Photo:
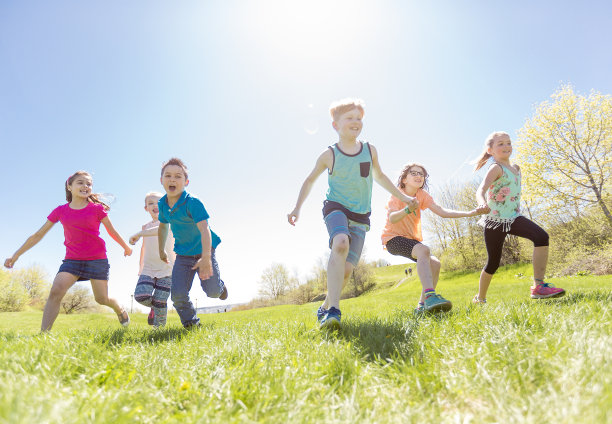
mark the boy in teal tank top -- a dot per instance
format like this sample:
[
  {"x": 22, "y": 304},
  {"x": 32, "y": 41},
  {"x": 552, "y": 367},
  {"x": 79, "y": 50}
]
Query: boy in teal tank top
[{"x": 351, "y": 167}]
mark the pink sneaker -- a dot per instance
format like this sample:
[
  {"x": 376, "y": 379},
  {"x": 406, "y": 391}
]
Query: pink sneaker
[{"x": 546, "y": 290}]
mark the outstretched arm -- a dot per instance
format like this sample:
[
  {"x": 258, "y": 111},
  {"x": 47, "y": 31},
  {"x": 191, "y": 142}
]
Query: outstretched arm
[
  {"x": 29, "y": 243},
  {"x": 449, "y": 213},
  {"x": 385, "y": 182},
  {"x": 325, "y": 161},
  {"x": 127, "y": 250},
  {"x": 150, "y": 232}
]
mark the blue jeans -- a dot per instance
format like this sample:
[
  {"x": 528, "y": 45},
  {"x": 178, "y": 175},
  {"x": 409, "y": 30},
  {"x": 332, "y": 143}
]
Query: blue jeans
[{"x": 182, "y": 279}]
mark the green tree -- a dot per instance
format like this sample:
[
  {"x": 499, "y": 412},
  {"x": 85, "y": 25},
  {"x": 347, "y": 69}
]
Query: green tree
[
  {"x": 13, "y": 296},
  {"x": 34, "y": 280},
  {"x": 565, "y": 152},
  {"x": 78, "y": 298}
]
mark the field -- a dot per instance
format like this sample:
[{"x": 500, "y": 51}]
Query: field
[{"x": 513, "y": 360}]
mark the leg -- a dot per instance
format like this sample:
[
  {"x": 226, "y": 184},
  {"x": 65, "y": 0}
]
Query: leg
[
  {"x": 143, "y": 293},
  {"x": 494, "y": 242},
  {"x": 523, "y": 227},
  {"x": 62, "y": 282},
  {"x": 423, "y": 257},
  {"x": 160, "y": 300},
  {"x": 336, "y": 269},
  {"x": 540, "y": 260},
  {"x": 100, "y": 291},
  {"x": 348, "y": 270},
  {"x": 213, "y": 286},
  {"x": 182, "y": 279}
]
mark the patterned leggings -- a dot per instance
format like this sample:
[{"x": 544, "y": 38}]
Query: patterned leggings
[{"x": 153, "y": 292}]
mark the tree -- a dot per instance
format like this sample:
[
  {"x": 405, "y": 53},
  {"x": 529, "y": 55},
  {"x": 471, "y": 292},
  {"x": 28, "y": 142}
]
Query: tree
[
  {"x": 565, "y": 152},
  {"x": 274, "y": 281},
  {"x": 78, "y": 298},
  {"x": 34, "y": 280},
  {"x": 13, "y": 296},
  {"x": 362, "y": 279}
]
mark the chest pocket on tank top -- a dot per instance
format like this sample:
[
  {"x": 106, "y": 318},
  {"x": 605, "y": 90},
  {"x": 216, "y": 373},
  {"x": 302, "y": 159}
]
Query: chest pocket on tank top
[{"x": 364, "y": 169}]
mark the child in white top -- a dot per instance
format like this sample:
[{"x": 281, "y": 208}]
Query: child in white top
[{"x": 155, "y": 275}]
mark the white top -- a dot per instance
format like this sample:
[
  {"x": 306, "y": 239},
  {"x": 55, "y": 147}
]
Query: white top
[{"x": 150, "y": 263}]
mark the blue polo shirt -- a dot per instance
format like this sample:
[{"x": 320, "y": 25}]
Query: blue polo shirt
[{"x": 183, "y": 217}]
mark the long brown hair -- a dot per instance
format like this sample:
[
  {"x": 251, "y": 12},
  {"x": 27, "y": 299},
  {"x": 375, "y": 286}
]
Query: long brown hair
[
  {"x": 481, "y": 160},
  {"x": 93, "y": 197},
  {"x": 400, "y": 180}
]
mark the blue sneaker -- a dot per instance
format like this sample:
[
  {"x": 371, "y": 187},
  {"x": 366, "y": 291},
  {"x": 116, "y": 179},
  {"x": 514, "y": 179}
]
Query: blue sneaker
[
  {"x": 436, "y": 303},
  {"x": 321, "y": 312},
  {"x": 420, "y": 309},
  {"x": 331, "y": 320}
]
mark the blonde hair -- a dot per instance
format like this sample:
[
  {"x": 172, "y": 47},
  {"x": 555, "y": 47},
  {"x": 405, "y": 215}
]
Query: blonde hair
[
  {"x": 153, "y": 194},
  {"x": 481, "y": 160},
  {"x": 337, "y": 108}
]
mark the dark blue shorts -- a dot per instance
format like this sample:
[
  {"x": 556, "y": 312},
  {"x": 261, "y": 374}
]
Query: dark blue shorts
[{"x": 97, "y": 269}]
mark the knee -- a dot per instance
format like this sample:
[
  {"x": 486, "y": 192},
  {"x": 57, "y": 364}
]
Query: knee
[
  {"x": 57, "y": 293},
  {"x": 435, "y": 262},
  {"x": 542, "y": 240},
  {"x": 420, "y": 251},
  {"x": 340, "y": 244},
  {"x": 101, "y": 299}
]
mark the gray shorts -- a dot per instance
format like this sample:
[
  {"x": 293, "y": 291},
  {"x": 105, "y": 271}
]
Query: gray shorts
[{"x": 337, "y": 223}]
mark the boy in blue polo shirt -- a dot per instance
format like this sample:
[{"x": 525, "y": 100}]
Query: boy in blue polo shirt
[{"x": 194, "y": 244}]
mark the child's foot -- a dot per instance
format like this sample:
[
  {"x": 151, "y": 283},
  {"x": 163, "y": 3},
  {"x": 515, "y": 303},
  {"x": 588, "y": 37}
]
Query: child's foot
[
  {"x": 436, "y": 303},
  {"x": 223, "y": 293},
  {"x": 476, "y": 299},
  {"x": 321, "y": 312},
  {"x": 331, "y": 320},
  {"x": 151, "y": 317},
  {"x": 545, "y": 290},
  {"x": 124, "y": 318},
  {"x": 419, "y": 309}
]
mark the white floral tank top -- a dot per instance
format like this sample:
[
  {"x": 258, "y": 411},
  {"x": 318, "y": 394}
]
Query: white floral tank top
[{"x": 504, "y": 198}]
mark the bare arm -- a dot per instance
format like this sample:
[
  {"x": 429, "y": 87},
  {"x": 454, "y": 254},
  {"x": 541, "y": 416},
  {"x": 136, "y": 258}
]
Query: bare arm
[
  {"x": 325, "y": 161},
  {"x": 493, "y": 174},
  {"x": 449, "y": 213},
  {"x": 150, "y": 232},
  {"x": 397, "y": 216},
  {"x": 127, "y": 250},
  {"x": 29, "y": 243},
  {"x": 162, "y": 236},
  {"x": 204, "y": 264},
  {"x": 385, "y": 182}
]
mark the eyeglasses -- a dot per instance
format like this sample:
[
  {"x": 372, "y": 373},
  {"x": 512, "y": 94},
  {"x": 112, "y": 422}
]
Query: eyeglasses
[{"x": 417, "y": 173}]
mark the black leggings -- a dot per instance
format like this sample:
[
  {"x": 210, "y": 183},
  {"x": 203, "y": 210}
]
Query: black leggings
[
  {"x": 402, "y": 246},
  {"x": 521, "y": 227}
]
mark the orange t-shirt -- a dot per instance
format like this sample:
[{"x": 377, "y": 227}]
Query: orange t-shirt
[{"x": 410, "y": 225}]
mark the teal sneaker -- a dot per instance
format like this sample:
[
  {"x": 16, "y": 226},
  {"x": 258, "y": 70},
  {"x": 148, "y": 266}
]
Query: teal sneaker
[
  {"x": 436, "y": 303},
  {"x": 331, "y": 320},
  {"x": 420, "y": 309},
  {"x": 321, "y": 312}
]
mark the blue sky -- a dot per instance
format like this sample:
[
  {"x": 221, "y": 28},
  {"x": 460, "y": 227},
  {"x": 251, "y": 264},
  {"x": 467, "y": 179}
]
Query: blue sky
[{"x": 240, "y": 90}]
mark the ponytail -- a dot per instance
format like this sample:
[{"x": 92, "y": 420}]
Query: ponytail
[{"x": 481, "y": 160}]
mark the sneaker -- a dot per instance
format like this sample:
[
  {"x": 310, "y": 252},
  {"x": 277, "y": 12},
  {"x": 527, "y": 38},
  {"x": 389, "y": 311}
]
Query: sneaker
[
  {"x": 151, "y": 317},
  {"x": 321, "y": 312},
  {"x": 436, "y": 303},
  {"x": 546, "y": 290},
  {"x": 193, "y": 326},
  {"x": 476, "y": 299},
  {"x": 419, "y": 309},
  {"x": 124, "y": 318},
  {"x": 224, "y": 293},
  {"x": 331, "y": 320}
]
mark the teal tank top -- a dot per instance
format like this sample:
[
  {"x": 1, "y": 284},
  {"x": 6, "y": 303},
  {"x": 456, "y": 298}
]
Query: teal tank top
[
  {"x": 504, "y": 199},
  {"x": 350, "y": 179}
]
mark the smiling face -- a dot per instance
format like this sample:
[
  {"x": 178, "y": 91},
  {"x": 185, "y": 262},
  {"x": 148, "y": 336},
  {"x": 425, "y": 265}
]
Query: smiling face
[
  {"x": 501, "y": 147},
  {"x": 349, "y": 124},
  {"x": 415, "y": 178},
  {"x": 174, "y": 181},
  {"x": 151, "y": 206},
  {"x": 80, "y": 187}
]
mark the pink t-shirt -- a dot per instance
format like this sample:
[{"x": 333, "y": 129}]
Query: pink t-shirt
[
  {"x": 410, "y": 225},
  {"x": 81, "y": 231}
]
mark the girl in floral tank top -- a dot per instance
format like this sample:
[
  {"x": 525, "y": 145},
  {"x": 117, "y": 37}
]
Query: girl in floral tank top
[{"x": 500, "y": 194}]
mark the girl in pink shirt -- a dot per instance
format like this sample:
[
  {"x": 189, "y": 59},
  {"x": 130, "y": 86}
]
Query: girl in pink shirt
[
  {"x": 402, "y": 234},
  {"x": 85, "y": 250}
]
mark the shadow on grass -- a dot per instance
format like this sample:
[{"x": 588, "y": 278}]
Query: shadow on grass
[
  {"x": 147, "y": 336},
  {"x": 599, "y": 296},
  {"x": 381, "y": 339}
]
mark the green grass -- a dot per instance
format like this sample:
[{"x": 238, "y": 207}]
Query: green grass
[{"x": 514, "y": 360}]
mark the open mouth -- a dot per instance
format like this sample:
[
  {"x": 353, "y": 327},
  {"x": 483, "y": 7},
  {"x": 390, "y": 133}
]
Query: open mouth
[{"x": 171, "y": 187}]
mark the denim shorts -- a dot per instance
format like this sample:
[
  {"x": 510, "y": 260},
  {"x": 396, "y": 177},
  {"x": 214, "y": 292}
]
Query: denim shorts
[
  {"x": 97, "y": 269},
  {"x": 337, "y": 223}
]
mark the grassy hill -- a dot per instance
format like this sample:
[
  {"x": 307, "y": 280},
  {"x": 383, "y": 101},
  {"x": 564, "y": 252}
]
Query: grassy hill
[{"x": 513, "y": 360}]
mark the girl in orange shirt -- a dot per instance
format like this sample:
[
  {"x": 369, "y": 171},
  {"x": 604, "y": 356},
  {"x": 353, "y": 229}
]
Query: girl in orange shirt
[{"x": 402, "y": 234}]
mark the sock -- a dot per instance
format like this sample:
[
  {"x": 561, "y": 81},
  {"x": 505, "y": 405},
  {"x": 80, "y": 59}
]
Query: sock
[
  {"x": 537, "y": 281},
  {"x": 428, "y": 292}
]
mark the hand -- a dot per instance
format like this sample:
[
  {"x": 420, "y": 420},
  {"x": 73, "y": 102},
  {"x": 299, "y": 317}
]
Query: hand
[
  {"x": 204, "y": 267},
  {"x": 293, "y": 216},
  {"x": 412, "y": 203},
  {"x": 164, "y": 257},
  {"x": 134, "y": 239},
  {"x": 127, "y": 251},
  {"x": 9, "y": 262},
  {"x": 482, "y": 209}
]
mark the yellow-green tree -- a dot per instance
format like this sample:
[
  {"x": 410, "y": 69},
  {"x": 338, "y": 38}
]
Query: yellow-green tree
[{"x": 565, "y": 152}]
